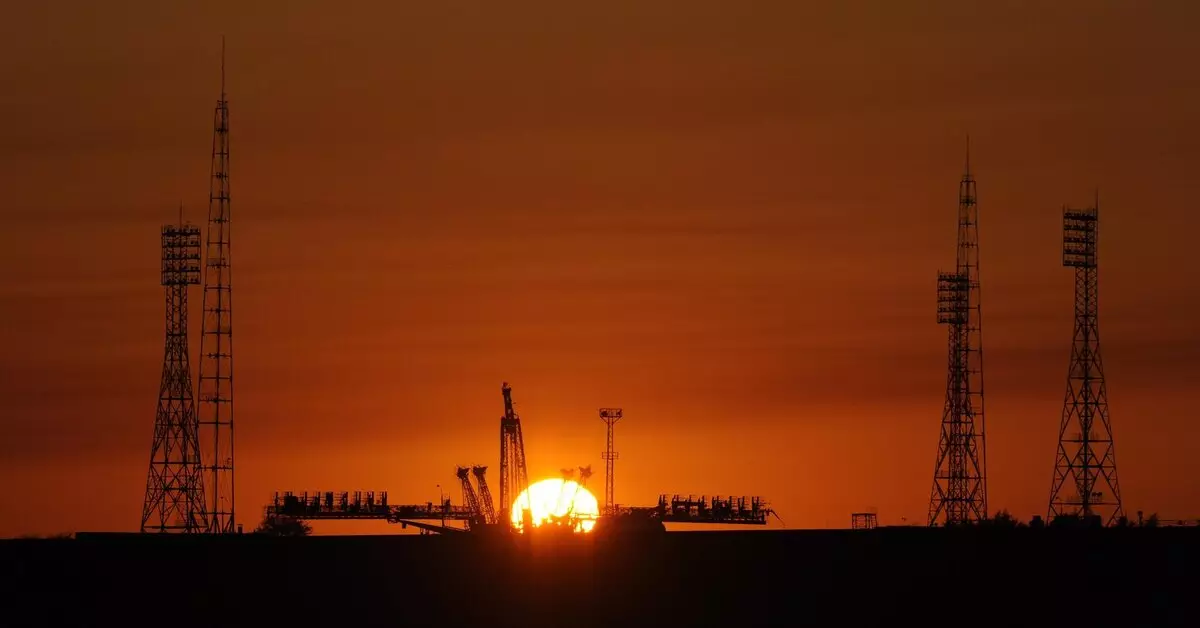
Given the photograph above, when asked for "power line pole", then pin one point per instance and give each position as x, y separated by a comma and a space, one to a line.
216, 338
959, 492
610, 416
1086, 459
174, 500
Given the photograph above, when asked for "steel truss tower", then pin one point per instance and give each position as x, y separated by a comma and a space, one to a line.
610, 416
959, 492
514, 477
174, 499
216, 339
1085, 469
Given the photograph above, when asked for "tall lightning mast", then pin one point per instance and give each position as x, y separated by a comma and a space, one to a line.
216, 338
1085, 468
610, 416
959, 492
174, 500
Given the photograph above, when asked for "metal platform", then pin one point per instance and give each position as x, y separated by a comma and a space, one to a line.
325, 505
360, 505
701, 509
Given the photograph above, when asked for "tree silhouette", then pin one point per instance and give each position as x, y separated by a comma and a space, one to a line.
281, 525
57, 535
1076, 521
1005, 519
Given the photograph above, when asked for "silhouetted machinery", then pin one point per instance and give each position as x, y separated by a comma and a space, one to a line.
485, 495
478, 512
469, 496
514, 475
371, 505
361, 505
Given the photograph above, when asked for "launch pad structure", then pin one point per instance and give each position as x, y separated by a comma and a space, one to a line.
372, 505
478, 513
514, 475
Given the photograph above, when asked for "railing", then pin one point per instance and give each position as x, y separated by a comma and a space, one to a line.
701, 509
374, 505
358, 505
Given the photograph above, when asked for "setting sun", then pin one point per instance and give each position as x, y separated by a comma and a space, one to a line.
557, 499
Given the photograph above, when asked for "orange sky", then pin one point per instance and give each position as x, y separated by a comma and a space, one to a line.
725, 218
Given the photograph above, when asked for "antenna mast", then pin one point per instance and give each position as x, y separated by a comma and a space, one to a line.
216, 338
959, 492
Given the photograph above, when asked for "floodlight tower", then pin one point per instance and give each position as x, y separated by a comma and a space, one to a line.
174, 500
959, 492
610, 416
216, 338
1086, 461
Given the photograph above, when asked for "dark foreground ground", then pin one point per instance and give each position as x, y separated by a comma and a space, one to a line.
1025, 577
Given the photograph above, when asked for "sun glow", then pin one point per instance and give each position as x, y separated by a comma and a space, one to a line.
557, 500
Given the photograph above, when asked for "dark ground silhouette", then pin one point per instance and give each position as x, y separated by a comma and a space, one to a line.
1011, 577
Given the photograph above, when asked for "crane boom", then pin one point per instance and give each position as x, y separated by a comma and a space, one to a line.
469, 497
485, 494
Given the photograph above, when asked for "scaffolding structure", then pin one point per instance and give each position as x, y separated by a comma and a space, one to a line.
863, 521
514, 476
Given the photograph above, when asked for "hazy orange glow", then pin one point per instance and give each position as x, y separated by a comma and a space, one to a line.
557, 498
725, 218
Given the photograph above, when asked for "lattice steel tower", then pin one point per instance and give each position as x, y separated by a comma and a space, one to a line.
514, 478
610, 416
959, 492
1085, 469
174, 499
216, 338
